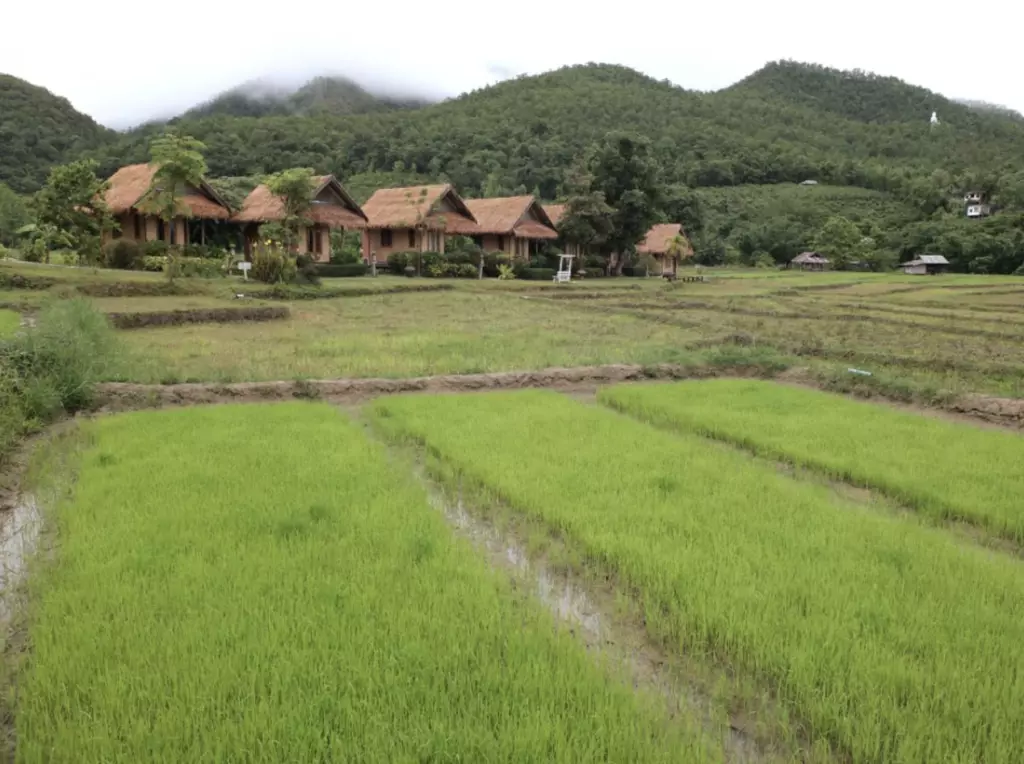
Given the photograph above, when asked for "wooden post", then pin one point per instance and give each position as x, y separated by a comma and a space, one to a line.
373, 263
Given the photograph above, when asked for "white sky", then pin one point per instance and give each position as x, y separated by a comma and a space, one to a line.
111, 58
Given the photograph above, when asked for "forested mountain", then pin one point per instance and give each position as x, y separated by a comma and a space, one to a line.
320, 96
39, 130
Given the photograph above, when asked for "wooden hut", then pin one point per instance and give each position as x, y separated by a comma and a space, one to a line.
513, 225
659, 244
413, 219
126, 196
925, 265
555, 213
809, 261
331, 208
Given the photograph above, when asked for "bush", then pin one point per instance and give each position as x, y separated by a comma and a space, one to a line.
271, 266
198, 267
306, 271
398, 261
432, 264
535, 274
123, 254
460, 258
492, 261
409, 271
154, 263
336, 271
466, 271
155, 249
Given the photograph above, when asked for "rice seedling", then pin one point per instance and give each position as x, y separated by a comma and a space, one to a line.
888, 639
950, 470
257, 583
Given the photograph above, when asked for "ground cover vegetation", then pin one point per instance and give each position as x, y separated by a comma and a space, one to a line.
276, 607
889, 640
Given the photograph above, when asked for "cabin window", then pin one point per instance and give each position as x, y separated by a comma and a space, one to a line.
161, 234
385, 237
501, 243
311, 241
138, 227
412, 239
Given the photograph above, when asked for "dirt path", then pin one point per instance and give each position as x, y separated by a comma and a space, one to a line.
583, 380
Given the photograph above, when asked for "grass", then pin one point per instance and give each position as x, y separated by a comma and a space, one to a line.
954, 471
220, 596
891, 640
10, 322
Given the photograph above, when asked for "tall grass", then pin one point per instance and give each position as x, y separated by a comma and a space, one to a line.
888, 639
948, 469
256, 583
51, 368
9, 323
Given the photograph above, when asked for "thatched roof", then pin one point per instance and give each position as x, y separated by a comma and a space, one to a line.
261, 206
417, 206
809, 258
659, 238
130, 184
509, 215
555, 213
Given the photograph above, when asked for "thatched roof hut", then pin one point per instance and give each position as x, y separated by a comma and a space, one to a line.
129, 185
332, 206
658, 240
432, 207
555, 213
519, 216
809, 261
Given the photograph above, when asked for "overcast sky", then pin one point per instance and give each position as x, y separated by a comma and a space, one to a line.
123, 62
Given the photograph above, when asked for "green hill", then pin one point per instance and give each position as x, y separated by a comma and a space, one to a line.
320, 96
39, 130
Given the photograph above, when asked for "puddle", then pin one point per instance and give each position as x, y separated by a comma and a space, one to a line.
589, 615
19, 533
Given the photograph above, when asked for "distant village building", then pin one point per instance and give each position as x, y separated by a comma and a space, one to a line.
331, 207
809, 261
976, 205
925, 265
935, 119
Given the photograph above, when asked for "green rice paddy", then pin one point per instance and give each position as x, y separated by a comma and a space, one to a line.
258, 583
890, 640
948, 469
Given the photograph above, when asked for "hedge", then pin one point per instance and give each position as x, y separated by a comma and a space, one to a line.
197, 316
536, 274
342, 270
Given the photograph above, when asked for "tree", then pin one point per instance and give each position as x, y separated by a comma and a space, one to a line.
588, 220
13, 214
840, 241
180, 164
71, 210
623, 170
295, 190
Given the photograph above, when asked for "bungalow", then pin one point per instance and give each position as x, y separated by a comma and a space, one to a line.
126, 192
809, 261
925, 265
659, 243
413, 219
555, 213
507, 224
332, 208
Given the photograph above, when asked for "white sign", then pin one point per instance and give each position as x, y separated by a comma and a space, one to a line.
245, 268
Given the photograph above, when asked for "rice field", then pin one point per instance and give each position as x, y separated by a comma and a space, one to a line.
258, 583
951, 470
890, 640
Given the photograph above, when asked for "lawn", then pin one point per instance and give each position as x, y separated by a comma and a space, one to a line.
889, 640
10, 321
217, 596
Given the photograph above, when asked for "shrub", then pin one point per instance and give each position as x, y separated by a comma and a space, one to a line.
155, 249
397, 261
492, 261
154, 263
409, 271
466, 271
336, 271
271, 266
536, 274
124, 254
306, 271
432, 264
198, 267
460, 258
506, 272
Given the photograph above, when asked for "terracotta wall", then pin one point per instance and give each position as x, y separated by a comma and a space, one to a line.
421, 241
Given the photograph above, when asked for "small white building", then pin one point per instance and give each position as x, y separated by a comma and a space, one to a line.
975, 205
